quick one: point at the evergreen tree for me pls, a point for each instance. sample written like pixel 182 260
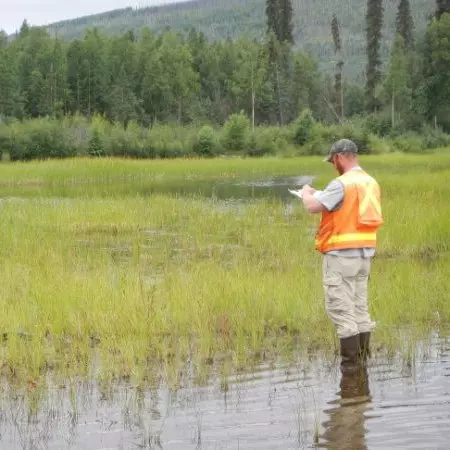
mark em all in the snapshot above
pixel 38 100
pixel 3 40
pixel 279 19
pixel 24 30
pixel 75 61
pixel 437 71
pixel 273 18
pixel 339 85
pixel 34 55
pixel 374 23
pixel 443 6
pixel 274 77
pixel 10 101
pixel 286 28
pixel 405 24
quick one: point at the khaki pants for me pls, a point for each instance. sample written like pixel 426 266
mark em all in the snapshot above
pixel 345 285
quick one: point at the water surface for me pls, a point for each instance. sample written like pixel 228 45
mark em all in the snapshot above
pixel 282 404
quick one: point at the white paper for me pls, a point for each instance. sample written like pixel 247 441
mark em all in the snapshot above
pixel 296 193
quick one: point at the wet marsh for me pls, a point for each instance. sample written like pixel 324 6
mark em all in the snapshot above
pixel 179 273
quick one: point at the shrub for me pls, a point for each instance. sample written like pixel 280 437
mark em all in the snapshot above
pixel 206 144
pixel 39 139
pixel 303 127
pixel 235 132
pixel 379 124
pixel 268 141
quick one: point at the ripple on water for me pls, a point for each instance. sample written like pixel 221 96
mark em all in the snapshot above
pixel 276 405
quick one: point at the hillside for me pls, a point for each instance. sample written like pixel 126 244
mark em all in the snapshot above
pixel 220 19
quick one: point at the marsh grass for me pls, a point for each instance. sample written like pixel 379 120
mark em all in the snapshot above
pixel 90 266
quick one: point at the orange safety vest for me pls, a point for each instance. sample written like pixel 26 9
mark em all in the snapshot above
pixel 356 222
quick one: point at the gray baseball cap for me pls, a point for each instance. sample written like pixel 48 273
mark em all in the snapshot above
pixel 342 146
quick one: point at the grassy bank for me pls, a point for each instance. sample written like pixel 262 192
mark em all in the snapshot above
pixel 90 264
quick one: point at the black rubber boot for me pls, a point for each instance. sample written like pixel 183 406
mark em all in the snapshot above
pixel 349 353
pixel 364 347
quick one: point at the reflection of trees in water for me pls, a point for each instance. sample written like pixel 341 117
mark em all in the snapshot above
pixel 344 428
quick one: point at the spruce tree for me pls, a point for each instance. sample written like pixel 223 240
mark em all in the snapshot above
pixel 443 6
pixel 286 29
pixel 279 19
pixel 374 23
pixel 338 81
pixel 405 24
pixel 273 17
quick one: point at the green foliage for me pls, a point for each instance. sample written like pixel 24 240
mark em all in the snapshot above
pixel 10 99
pixel 78 136
pixel 236 132
pixel 405 24
pixel 437 72
pixel 96 147
pixel 427 140
pixel 303 127
pixel 322 137
pixel 206 141
pixel 38 139
pixel 398 83
pixel 374 25
pixel 269 141
pixel 146 96
pixel 378 123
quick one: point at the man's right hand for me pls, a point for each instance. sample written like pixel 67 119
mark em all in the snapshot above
pixel 309 189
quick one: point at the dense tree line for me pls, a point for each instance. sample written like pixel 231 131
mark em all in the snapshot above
pixel 156 78
pixel 172 78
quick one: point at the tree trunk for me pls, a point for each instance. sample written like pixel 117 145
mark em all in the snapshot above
pixel 253 99
pixel 342 96
pixel 280 109
pixel 78 92
pixel 89 93
pixel 253 110
pixel 393 109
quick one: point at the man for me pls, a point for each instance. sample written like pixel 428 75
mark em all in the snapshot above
pixel 351 216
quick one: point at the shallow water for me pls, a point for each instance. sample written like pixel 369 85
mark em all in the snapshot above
pixel 242 188
pixel 278 404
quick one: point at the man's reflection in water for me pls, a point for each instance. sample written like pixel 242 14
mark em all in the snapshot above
pixel 344 428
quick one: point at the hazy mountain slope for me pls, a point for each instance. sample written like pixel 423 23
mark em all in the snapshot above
pixel 220 19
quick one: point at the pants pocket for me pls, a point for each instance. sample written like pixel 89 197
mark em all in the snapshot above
pixel 333 290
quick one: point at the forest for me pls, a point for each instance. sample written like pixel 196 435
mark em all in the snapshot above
pixel 175 93
pixel 219 20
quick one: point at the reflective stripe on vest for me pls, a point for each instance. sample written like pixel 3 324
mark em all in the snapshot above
pixel 352 237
